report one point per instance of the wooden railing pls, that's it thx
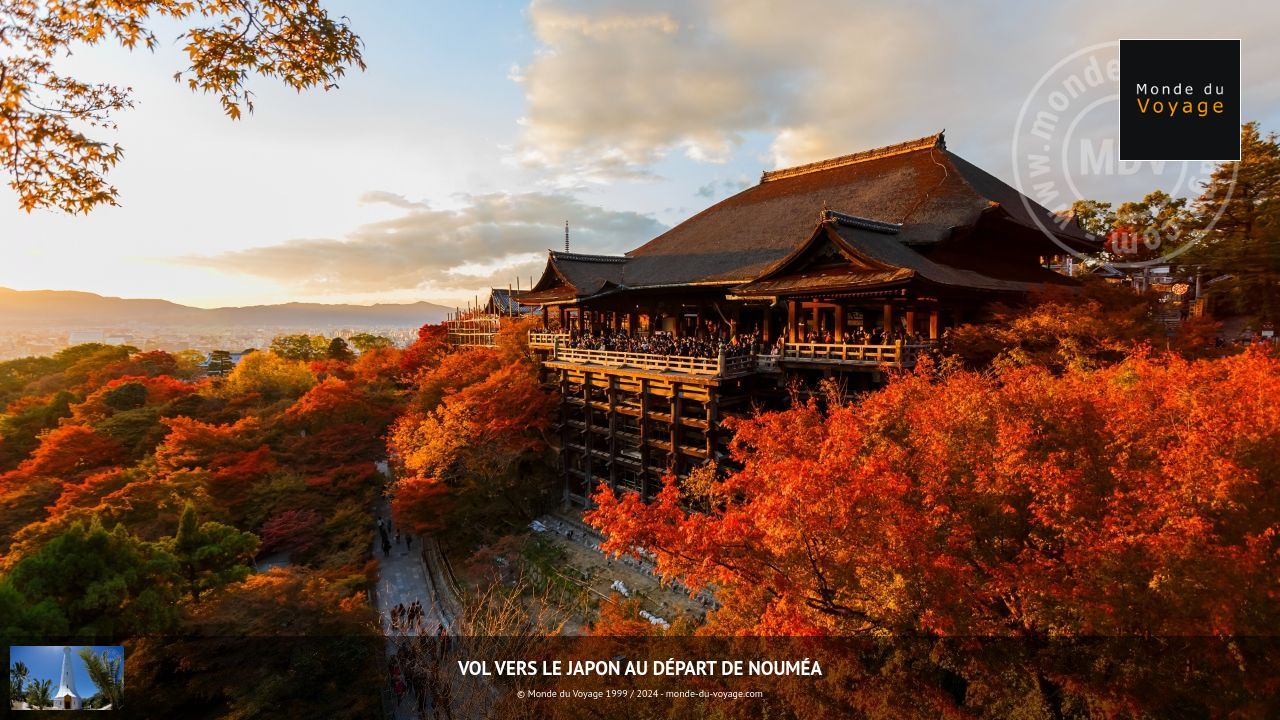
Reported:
(643, 361)
(547, 340)
(896, 354)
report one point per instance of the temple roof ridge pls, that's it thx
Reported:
(937, 140)
(584, 257)
(861, 223)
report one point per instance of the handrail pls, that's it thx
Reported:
(645, 361)
(546, 340)
(840, 352)
(896, 354)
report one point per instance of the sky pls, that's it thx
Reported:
(44, 662)
(451, 164)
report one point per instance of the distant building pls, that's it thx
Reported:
(80, 337)
(478, 327)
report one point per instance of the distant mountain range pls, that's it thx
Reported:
(21, 309)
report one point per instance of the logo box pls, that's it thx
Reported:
(1180, 100)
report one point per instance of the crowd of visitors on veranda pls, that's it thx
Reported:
(712, 343)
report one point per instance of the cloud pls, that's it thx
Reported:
(490, 240)
(617, 85)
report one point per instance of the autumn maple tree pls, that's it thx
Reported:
(475, 423)
(1057, 328)
(49, 120)
(134, 494)
(1133, 499)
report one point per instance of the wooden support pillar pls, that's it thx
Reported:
(677, 410)
(615, 321)
(613, 431)
(933, 323)
(766, 331)
(546, 318)
(838, 335)
(911, 322)
(713, 424)
(793, 331)
(888, 318)
(564, 433)
(646, 488)
(587, 423)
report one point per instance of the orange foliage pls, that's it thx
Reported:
(70, 451)
(426, 351)
(159, 390)
(143, 364)
(335, 402)
(1134, 499)
(455, 371)
(377, 365)
(234, 472)
(194, 444)
(478, 430)
(1060, 327)
(620, 617)
(420, 504)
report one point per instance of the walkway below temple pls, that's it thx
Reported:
(402, 579)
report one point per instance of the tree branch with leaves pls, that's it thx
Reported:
(50, 122)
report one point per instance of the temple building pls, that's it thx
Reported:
(836, 269)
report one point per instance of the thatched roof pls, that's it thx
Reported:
(919, 185)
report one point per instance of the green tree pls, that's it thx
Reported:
(126, 396)
(268, 375)
(339, 350)
(1242, 248)
(190, 364)
(18, 675)
(364, 342)
(300, 346)
(46, 117)
(22, 423)
(220, 363)
(40, 694)
(91, 581)
(107, 672)
(210, 554)
(1149, 227)
(1094, 216)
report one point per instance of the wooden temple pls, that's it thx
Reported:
(838, 269)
